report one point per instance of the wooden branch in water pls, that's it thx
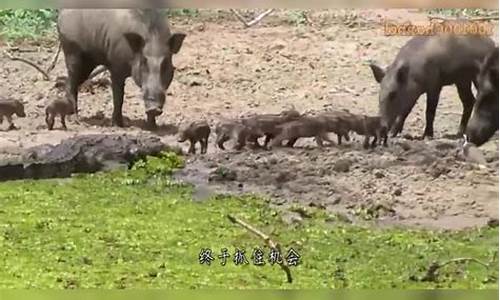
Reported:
(267, 239)
(9, 56)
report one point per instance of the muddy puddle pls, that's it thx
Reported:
(408, 183)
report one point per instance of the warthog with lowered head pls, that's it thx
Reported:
(484, 121)
(424, 65)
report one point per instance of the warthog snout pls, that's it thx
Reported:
(182, 138)
(384, 125)
(479, 132)
(153, 103)
(154, 112)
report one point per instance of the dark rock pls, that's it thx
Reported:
(87, 261)
(379, 174)
(323, 172)
(211, 164)
(302, 212)
(342, 165)
(397, 192)
(437, 169)
(404, 145)
(408, 136)
(223, 174)
(153, 274)
(493, 222)
(317, 204)
(284, 177)
(491, 156)
(336, 200)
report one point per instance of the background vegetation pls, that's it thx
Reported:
(16, 24)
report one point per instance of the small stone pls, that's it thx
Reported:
(322, 172)
(318, 205)
(222, 174)
(379, 174)
(405, 145)
(87, 260)
(336, 200)
(273, 161)
(491, 156)
(493, 222)
(283, 177)
(342, 165)
(152, 273)
(200, 27)
(397, 192)
(211, 165)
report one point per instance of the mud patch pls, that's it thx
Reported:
(414, 185)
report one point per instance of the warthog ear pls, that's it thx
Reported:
(175, 42)
(378, 72)
(402, 74)
(135, 41)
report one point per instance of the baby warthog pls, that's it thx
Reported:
(58, 107)
(9, 107)
(306, 126)
(232, 130)
(251, 128)
(370, 126)
(336, 122)
(268, 125)
(196, 132)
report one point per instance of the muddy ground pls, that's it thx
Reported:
(225, 70)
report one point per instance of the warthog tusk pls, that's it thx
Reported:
(466, 140)
(473, 154)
